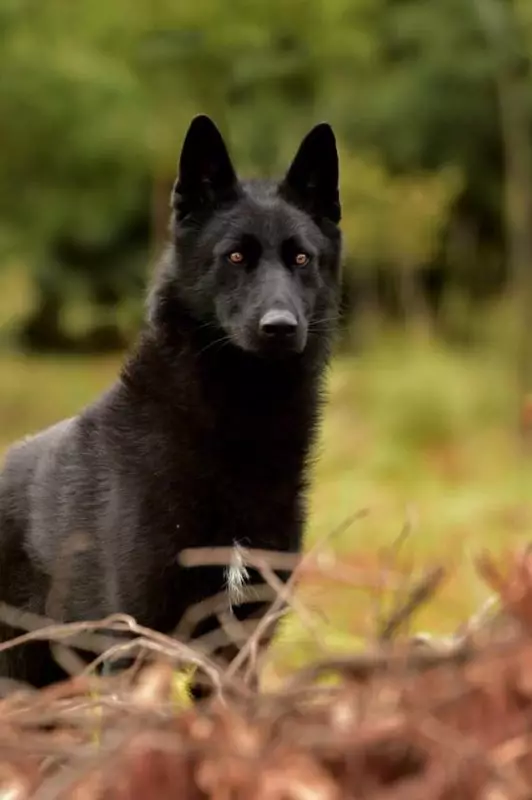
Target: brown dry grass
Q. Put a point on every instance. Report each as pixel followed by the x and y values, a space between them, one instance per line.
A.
pixel 405 718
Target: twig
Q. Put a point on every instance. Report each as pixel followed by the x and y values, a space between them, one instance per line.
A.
pixel 277 560
pixel 206 608
pixel 420 594
pixel 287 588
pixel 221 556
pixel 363 666
pixel 77 632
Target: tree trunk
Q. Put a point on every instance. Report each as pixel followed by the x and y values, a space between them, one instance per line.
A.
pixel 413 306
pixel 503 35
pixel 515 129
pixel 41 331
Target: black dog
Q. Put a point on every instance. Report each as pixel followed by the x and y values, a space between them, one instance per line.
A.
pixel 204 440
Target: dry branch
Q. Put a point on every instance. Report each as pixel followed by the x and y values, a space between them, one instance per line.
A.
pixel 400 721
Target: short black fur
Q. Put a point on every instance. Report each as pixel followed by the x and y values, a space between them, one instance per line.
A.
pixel 205 438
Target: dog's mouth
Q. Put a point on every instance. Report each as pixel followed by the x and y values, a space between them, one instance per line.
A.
pixel 277 352
pixel 277 349
pixel 274 348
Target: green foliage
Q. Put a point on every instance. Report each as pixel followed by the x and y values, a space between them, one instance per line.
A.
pixel 71 129
pixel 95 97
pixel 396 219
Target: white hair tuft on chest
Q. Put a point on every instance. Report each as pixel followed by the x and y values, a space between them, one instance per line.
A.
pixel 236 576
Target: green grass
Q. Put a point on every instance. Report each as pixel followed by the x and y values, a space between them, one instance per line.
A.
pixel 413 429
pixel 417 432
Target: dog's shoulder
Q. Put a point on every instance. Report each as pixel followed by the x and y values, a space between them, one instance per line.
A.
pixel 26 455
pixel 20 471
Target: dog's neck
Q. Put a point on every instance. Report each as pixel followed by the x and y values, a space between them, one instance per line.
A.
pixel 237 427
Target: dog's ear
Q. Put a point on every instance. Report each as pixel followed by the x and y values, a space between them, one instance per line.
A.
pixel 312 179
pixel 206 178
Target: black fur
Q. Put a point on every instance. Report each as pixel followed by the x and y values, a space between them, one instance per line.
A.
pixel 205 438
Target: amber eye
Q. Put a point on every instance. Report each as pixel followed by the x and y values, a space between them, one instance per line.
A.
pixel 236 257
pixel 301 259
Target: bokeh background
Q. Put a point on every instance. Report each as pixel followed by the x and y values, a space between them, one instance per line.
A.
pixel 429 423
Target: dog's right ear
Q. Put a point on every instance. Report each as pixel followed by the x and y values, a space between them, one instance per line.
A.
pixel 206 178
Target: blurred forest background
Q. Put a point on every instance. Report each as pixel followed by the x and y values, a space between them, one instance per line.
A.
pixel 430 417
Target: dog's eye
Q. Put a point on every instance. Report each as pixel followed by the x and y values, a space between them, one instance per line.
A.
pixel 236 257
pixel 301 259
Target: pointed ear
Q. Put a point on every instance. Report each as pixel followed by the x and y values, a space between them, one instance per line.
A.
pixel 312 180
pixel 206 177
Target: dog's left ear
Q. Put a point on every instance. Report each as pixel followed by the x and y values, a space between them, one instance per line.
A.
pixel 206 177
pixel 312 179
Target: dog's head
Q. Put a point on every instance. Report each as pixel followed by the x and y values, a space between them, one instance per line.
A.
pixel 257 263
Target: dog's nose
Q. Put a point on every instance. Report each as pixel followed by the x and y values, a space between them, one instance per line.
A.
pixel 278 324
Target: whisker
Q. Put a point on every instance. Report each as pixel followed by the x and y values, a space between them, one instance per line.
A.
pixel 321 326
pixel 208 324
pixel 332 318
pixel 222 341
